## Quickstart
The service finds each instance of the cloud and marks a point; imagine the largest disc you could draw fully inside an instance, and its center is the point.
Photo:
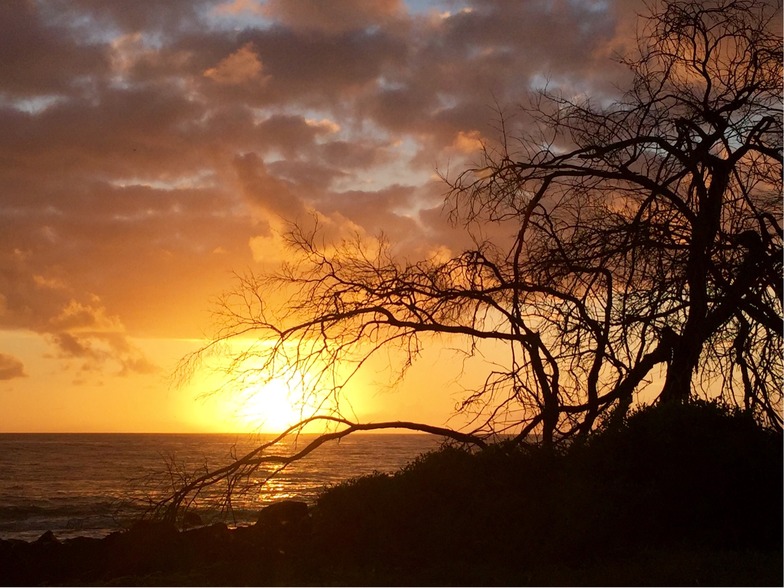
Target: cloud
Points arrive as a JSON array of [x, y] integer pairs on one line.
[[335, 16], [240, 67], [99, 351], [240, 7], [467, 142], [140, 138], [269, 196], [293, 136], [43, 58], [145, 15], [75, 322], [269, 249], [11, 367], [86, 332], [77, 316]]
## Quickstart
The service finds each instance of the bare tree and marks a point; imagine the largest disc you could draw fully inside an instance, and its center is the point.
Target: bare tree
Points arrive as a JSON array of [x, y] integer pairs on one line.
[[242, 473], [657, 218], [645, 235]]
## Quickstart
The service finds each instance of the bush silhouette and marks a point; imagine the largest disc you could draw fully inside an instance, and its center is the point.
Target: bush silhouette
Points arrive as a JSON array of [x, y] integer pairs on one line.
[[700, 472], [692, 476]]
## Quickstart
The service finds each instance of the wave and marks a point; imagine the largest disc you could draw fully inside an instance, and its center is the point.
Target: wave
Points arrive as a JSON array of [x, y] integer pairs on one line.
[[91, 485]]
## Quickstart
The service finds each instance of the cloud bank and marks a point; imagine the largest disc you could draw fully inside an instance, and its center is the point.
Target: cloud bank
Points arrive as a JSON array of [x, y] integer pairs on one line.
[[149, 148]]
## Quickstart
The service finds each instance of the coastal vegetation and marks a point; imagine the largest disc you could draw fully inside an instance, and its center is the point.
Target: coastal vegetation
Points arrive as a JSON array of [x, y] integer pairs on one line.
[[661, 500]]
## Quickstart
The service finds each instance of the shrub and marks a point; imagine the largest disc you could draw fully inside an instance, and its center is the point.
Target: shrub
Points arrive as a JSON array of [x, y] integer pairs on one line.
[[701, 475]]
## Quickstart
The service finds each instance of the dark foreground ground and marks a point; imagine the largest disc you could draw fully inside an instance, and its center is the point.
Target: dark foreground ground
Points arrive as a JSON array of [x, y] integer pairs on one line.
[[676, 496], [217, 556]]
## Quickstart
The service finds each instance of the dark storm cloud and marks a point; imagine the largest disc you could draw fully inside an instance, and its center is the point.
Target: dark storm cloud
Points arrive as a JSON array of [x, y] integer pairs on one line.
[[149, 148]]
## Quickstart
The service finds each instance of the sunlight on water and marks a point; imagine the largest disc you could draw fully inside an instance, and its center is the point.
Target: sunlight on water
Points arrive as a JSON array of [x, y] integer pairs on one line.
[[88, 484]]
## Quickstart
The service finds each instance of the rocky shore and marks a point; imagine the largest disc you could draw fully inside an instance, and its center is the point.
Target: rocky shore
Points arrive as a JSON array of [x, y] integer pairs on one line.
[[157, 553], [285, 553]]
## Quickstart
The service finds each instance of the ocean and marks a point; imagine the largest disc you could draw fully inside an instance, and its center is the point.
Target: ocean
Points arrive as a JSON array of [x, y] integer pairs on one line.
[[92, 484]]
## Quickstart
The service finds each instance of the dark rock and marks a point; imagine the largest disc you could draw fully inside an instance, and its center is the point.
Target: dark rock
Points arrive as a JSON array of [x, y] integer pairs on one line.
[[191, 519], [38, 562], [155, 530], [216, 532], [146, 547], [155, 551], [16, 563], [285, 512], [81, 560], [47, 538], [245, 537], [210, 542]]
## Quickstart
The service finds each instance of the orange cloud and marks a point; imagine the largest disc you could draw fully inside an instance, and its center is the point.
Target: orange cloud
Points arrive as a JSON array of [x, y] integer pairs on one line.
[[240, 6], [240, 67], [334, 16], [10, 367], [467, 142]]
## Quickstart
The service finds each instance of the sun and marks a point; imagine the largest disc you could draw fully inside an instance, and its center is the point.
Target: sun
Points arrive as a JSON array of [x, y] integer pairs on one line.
[[271, 407], [245, 396]]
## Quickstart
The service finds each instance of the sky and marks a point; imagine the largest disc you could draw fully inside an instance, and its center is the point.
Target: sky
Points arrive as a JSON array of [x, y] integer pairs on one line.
[[150, 149]]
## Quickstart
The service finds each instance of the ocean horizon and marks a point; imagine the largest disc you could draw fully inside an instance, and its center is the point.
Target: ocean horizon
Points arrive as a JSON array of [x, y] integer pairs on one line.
[[91, 484]]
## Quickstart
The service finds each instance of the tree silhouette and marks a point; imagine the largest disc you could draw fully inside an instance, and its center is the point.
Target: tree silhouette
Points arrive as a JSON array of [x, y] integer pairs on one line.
[[649, 231], [646, 236]]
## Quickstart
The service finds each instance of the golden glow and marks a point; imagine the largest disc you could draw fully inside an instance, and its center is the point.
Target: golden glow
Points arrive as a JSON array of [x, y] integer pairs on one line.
[[243, 396], [271, 407]]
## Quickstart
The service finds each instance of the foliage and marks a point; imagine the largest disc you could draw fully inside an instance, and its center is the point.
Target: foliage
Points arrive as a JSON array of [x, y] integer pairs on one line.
[[672, 477], [705, 468]]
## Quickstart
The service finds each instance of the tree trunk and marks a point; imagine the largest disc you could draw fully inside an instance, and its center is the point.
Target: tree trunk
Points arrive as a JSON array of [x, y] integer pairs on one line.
[[680, 370]]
